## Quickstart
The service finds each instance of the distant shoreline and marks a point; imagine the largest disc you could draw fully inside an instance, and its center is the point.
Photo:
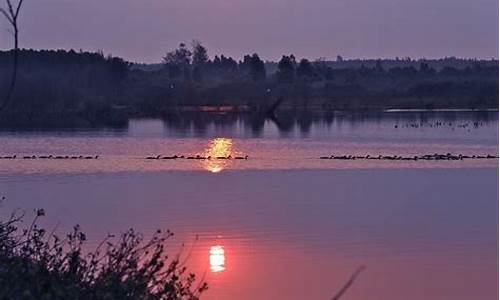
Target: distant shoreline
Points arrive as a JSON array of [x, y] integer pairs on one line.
[[69, 89], [391, 110]]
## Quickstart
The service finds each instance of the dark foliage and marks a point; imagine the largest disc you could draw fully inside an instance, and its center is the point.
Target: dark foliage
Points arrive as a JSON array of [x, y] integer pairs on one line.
[[253, 67], [36, 264], [286, 69], [64, 87], [80, 89]]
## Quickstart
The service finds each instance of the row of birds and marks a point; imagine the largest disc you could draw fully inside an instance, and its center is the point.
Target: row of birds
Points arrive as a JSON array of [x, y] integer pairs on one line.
[[196, 157], [97, 156], [440, 124], [435, 156], [50, 157]]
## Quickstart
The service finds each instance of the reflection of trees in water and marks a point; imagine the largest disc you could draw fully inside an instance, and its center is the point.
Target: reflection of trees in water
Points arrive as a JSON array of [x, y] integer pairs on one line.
[[199, 123], [286, 122]]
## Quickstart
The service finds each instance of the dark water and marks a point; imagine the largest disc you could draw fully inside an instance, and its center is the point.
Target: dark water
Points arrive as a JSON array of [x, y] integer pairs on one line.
[[291, 226]]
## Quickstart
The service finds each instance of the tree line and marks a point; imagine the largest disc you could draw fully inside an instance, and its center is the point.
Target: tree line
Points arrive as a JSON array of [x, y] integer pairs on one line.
[[81, 88]]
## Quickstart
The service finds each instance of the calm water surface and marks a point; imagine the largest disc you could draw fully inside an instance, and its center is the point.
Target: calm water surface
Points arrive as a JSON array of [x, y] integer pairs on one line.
[[284, 224]]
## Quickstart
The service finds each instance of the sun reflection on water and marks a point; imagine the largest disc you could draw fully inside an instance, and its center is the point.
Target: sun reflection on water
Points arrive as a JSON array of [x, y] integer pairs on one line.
[[218, 148], [217, 259]]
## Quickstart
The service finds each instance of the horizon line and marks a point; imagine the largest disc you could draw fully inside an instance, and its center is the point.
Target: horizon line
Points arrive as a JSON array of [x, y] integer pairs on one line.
[[324, 58]]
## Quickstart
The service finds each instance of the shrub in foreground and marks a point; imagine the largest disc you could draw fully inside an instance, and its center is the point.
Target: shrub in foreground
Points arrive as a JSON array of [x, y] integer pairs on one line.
[[36, 264]]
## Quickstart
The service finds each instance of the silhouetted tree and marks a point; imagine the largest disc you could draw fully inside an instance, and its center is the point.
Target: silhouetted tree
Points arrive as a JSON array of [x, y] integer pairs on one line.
[[378, 66], [60, 81], [200, 53], [426, 70], [223, 68], [12, 14], [178, 61], [286, 68], [254, 66], [200, 59], [225, 64], [305, 69], [323, 70], [81, 89]]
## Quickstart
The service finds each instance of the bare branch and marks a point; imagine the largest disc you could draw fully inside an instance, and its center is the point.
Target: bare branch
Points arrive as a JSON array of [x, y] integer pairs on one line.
[[7, 16], [18, 7], [348, 284], [11, 15], [11, 9]]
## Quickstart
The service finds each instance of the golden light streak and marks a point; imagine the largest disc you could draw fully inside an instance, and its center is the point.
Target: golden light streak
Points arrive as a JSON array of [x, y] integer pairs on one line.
[[217, 149]]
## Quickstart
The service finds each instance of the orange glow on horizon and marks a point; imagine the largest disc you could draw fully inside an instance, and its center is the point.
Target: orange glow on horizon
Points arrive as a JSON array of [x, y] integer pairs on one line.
[[217, 259]]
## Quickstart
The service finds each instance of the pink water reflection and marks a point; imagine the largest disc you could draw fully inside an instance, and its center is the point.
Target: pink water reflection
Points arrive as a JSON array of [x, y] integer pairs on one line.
[[216, 151], [127, 154]]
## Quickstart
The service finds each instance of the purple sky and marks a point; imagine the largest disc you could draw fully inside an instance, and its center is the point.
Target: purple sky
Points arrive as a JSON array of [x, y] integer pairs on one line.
[[143, 30]]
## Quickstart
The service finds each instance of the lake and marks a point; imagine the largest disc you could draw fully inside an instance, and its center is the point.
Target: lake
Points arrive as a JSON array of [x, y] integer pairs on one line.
[[283, 224]]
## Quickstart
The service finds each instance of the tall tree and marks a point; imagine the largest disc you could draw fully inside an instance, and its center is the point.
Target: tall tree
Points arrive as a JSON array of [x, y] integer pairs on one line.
[[254, 66], [200, 59], [200, 53], [11, 13], [178, 61], [305, 69], [286, 68]]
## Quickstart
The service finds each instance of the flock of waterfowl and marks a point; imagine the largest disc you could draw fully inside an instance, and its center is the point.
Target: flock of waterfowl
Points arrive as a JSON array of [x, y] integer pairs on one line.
[[97, 156], [196, 157], [50, 157], [437, 124], [435, 156]]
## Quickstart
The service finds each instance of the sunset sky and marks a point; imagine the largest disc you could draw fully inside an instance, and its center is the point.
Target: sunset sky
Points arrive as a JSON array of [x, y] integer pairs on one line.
[[143, 30]]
